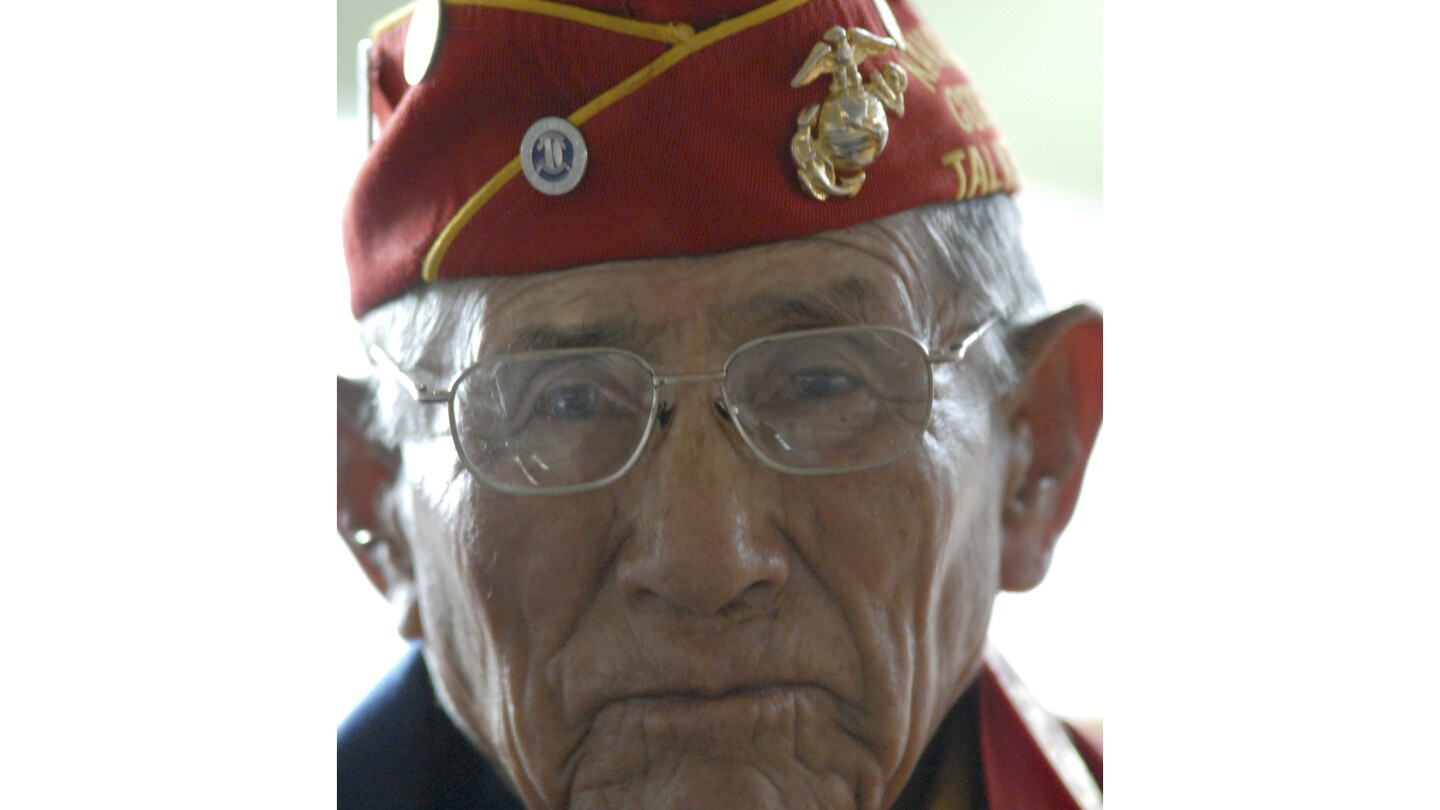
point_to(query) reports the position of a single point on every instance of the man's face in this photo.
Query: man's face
(707, 631)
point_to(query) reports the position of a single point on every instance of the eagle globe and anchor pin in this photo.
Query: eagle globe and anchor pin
(833, 141)
(836, 140)
(852, 126)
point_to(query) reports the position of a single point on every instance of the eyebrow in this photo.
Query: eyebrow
(591, 334)
(847, 301)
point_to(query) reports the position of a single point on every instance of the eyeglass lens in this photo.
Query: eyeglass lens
(831, 400)
(807, 401)
(552, 420)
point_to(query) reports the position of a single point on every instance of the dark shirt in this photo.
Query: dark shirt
(399, 750)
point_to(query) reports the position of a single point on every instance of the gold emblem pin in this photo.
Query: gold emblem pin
(852, 128)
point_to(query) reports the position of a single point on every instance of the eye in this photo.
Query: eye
(583, 388)
(568, 400)
(808, 373)
(819, 383)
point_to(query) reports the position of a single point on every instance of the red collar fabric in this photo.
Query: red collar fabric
(1030, 760)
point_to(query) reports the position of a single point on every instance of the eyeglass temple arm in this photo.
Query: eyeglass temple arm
(957, 352)
(420, 391)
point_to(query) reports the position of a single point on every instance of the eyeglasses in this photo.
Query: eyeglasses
(815, 402)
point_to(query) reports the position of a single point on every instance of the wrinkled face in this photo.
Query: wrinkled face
(707, 631)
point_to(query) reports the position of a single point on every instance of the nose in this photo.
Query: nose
(706, 542)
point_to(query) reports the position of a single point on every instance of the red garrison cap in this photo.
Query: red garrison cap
(693, 127)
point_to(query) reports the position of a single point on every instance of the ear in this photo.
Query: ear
(1054, 416)
(364, 478)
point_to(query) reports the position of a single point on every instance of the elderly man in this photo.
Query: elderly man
(713, 404)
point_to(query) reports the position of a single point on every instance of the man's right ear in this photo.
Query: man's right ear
(364, 477)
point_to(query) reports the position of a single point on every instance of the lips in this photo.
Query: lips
(730, 722)
(696, 709)
(760, 691)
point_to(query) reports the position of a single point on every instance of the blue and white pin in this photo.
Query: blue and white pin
(553, 156)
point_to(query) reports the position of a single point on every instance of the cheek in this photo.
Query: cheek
(900, 536)
(503, 581)
(874, 535)
(910, 552)
(966, 575)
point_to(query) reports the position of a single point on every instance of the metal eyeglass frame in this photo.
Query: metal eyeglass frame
(427, 395)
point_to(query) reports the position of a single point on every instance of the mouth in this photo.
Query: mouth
(697, 709)
(718, 693)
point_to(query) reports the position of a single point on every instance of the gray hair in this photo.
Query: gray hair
(983, 258)
(978, 256)
(973, 249)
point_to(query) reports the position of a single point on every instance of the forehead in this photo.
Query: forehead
(857, 276)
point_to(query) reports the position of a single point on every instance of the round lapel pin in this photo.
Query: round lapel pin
(553, 156)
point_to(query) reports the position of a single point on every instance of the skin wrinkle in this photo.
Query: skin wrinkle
(770, 777)
(877, 602)
(605, 569)
(861, 238)
(620, 332)
(844, 302)
(855, 631)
